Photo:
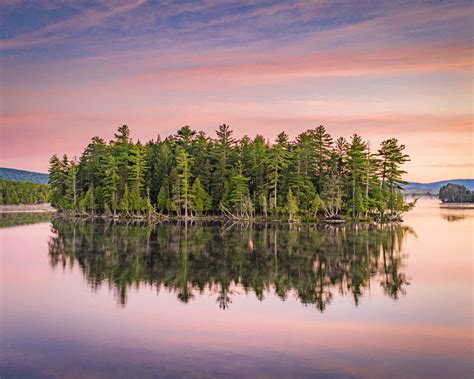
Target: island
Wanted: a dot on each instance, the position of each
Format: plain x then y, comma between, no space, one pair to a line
455,193
190,175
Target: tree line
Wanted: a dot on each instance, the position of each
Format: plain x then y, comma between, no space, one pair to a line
14,193
189,174
455,193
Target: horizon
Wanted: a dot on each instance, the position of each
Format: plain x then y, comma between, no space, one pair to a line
411,181
71,72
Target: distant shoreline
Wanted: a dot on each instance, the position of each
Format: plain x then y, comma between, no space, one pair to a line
457,205
27,208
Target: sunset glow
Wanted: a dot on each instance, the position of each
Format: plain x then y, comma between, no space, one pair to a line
70,72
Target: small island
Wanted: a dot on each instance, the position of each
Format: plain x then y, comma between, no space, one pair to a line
190,175
456,194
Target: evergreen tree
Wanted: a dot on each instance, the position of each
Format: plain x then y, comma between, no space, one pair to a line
222,150
88,201
239,190
357,165
393,157
319,176
111,183
137,166
162,202
184,163
292,205
278,161
71,186
322,143
13,193
331,199
200,199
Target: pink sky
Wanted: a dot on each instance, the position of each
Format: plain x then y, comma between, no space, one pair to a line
395,71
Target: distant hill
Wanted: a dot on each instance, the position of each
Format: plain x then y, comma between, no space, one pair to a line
22,175
412,187
433,188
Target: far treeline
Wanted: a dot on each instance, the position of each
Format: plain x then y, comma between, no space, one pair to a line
191,175
456,193
14,193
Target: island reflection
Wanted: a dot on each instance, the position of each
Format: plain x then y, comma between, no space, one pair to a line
307,261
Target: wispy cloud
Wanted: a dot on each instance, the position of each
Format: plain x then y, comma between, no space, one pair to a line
57,31
381,69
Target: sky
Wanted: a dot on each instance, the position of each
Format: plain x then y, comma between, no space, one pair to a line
73,70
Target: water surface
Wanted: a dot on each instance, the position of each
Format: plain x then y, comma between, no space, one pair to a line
264,300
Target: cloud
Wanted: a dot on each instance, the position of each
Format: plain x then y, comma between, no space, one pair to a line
451,165
59,30
387,70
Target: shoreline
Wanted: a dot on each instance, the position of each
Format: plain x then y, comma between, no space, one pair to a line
217,218
27,208
156,218
456,205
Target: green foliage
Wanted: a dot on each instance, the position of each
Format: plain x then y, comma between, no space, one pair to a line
184,162
71,186
15,193
200,199
279,155
239,190
111,183
292,205
392,158
88,202
163,201
455,193
189,173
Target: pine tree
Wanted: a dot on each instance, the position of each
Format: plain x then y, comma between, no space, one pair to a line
71,186
124,204
239,190
88,201
57,180
356,162
322,143
128,176
111,183
331,199
292,205
221,153
184,163
200,199
162,201
137,166
393,157
278,161
263,203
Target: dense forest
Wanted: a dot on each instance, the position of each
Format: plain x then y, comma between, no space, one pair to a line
13,193
190,175
455,193
313,263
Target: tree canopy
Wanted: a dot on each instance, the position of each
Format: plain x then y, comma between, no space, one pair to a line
189,174
455,193
14,193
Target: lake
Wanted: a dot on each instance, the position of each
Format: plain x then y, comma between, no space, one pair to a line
237,300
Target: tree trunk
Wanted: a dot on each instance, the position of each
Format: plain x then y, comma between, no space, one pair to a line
275,190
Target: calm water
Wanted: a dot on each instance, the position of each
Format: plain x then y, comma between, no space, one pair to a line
95,300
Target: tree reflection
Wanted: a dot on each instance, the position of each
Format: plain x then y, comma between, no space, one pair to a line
306,261
24,218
